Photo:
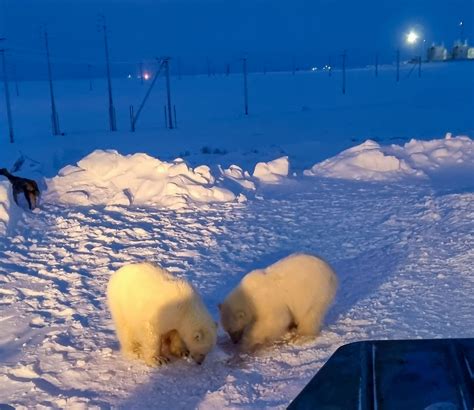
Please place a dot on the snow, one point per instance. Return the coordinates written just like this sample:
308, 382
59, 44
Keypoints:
9, 211
399, 235
273, 171
371, 161
109, 178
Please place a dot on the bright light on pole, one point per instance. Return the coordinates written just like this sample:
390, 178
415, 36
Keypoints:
412, 37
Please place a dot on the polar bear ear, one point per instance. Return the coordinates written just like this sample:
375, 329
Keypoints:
198, 336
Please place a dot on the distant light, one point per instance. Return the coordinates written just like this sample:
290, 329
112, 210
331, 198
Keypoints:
461, 23
129, 76
314, 69
412, 37
146, 76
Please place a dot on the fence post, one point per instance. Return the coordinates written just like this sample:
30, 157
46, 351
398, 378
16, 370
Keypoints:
132, 119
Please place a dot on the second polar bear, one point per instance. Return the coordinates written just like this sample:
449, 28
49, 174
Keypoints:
294, 292
154, 312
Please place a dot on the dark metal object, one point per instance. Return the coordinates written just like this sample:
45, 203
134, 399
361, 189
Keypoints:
394, 375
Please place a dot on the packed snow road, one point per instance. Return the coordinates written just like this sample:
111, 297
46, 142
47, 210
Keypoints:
404, 254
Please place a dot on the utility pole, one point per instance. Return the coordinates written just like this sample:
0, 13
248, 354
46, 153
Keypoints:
166, 62
461, 30
89, 71
246, 95
112, 119
398, 65
133, 116
376, 64
344, 54
7, 95
54, 113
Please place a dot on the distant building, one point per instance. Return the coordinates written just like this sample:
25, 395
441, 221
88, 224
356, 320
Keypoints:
460, 51
437, 53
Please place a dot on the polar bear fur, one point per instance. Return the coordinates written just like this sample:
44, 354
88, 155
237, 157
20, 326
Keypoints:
155, 312
295, 293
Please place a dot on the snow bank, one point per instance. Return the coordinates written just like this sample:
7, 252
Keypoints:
273, 171
109, 178
371, 161
8, 209
238, 175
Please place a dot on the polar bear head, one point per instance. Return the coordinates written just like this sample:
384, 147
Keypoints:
236, 314
200, 341
199, 334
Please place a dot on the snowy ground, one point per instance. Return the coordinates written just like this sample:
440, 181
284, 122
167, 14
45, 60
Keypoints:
403, 248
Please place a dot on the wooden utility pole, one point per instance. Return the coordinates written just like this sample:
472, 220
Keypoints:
133, 116
7, 95
166, 62
112, 119
54, 113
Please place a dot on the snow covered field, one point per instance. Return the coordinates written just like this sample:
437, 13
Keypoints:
395, 221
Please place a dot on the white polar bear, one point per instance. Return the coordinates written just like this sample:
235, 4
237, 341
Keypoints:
295, 292
155, 312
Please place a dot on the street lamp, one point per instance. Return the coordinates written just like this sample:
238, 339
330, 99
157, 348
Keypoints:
412, 38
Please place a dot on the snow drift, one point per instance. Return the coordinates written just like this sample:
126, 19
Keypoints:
423, 159
273, 171
109, 178
8, 209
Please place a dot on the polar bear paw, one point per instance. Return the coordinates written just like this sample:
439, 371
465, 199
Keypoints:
155, 361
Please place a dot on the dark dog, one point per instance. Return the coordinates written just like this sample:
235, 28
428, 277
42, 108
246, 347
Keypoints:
25, 186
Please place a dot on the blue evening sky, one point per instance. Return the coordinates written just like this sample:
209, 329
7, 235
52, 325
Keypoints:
273, 31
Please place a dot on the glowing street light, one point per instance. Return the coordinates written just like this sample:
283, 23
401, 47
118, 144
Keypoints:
412, 37
461, 29
146, 76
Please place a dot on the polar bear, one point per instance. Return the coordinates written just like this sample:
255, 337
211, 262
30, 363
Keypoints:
295, 293
155, 312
